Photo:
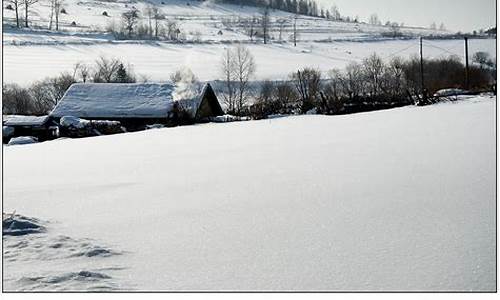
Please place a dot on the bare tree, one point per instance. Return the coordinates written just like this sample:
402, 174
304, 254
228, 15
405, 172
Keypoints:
395, 29
266, 94
84, 72
58, 5
157, 16
249, 25
49, 91
51, 17
374, 20
335, 83
237, 67
286, 96
149, 13
353, 81
172, 30
16, 4
281, 27
393, 78
40, 94
105, 69
16, 100
335, 13
130, 19
265, 103
253, 21
228, 73
307, 82
81, 70
373, 67
27, 5
245, 69
483, 59
331, 101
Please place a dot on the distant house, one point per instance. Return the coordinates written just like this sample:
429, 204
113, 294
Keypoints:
139, 104
41, 127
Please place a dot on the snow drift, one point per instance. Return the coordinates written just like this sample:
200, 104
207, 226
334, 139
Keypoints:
393, 200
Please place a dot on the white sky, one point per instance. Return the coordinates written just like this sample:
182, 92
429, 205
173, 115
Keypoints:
463, 15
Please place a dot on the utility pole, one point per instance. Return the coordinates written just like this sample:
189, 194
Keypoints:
466, 63
424, 96
265, 23
295, 31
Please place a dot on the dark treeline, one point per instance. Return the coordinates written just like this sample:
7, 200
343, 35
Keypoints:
303, 7
370, 85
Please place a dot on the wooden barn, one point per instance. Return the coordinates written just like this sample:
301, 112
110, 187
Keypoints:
139, 104
41, 127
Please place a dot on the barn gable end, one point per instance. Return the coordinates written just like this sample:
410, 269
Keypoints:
209, 105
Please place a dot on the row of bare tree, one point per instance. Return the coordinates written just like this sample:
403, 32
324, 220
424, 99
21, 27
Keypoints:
370, 83
153, 27
261, 26
19, 5
43, 95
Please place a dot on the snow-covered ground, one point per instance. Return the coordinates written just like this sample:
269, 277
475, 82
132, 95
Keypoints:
402, 199
157, 60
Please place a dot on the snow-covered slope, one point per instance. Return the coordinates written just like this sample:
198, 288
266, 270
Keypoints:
202, 18
402, 199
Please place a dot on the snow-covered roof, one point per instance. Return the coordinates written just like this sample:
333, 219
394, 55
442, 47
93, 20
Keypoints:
449, 92
22, 140
7, 131
116, 100
20, 120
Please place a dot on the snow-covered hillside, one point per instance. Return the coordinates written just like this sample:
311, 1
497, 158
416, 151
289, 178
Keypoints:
402, 199
207, 29
205, 18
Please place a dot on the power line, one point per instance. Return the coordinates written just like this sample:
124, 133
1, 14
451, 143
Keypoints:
399, 51
440, 48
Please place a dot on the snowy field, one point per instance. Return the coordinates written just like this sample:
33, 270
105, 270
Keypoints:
402, 199
157, 60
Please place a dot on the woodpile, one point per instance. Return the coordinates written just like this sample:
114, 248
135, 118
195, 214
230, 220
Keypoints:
107, 127
77, 128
